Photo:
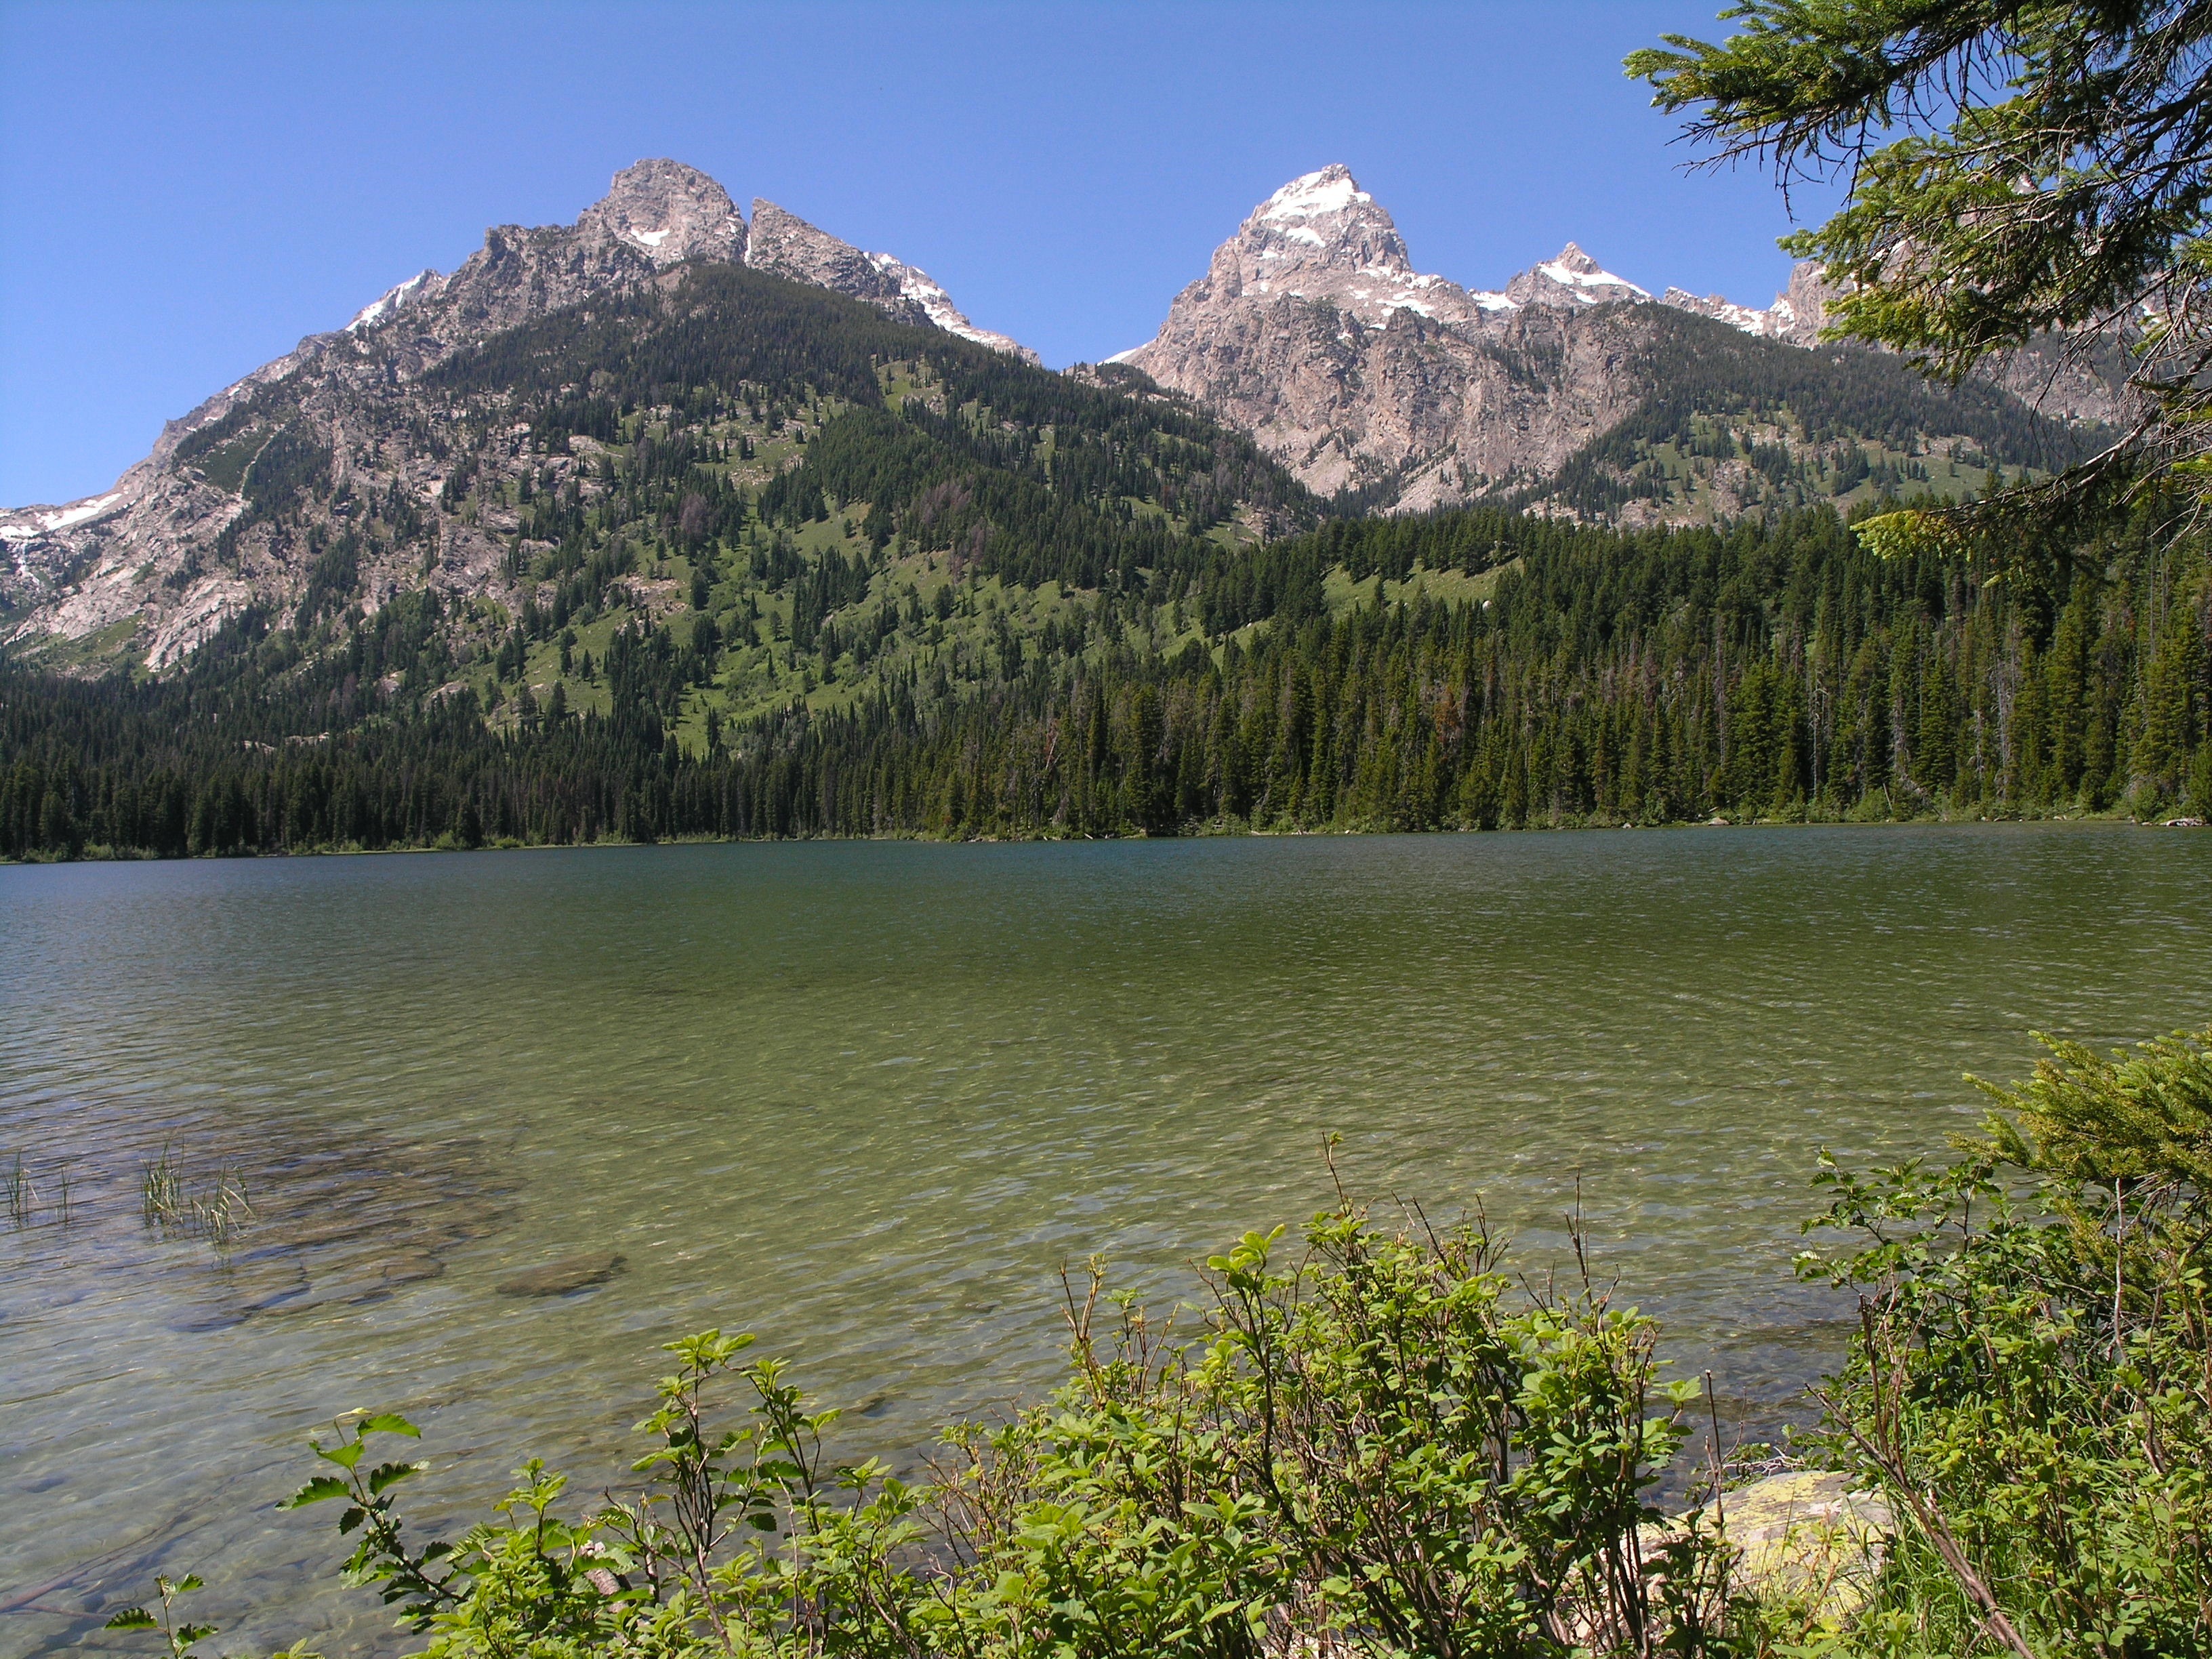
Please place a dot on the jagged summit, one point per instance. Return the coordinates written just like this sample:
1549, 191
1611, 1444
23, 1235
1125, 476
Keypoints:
670, 211
1320, 237
1572, 279
658, 213
785, 244
1325, 219
133, 557
1312, 331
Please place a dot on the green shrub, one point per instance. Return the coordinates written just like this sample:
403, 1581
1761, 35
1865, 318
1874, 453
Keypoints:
2032, 1385
1380, 1445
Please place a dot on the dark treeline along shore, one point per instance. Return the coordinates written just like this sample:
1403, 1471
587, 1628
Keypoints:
1555, 675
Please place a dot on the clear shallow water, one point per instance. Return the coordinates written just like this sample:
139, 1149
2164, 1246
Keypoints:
865, 1099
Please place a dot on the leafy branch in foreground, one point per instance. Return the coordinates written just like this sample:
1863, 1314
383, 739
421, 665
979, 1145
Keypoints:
1378, 1444
2016, 168
180, 1637
412, 1577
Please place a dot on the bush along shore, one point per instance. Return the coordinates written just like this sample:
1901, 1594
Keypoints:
1381, 1441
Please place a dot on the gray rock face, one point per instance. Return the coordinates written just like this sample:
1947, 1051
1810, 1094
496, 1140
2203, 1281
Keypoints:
670, 211
785, 244
132, 563
1312, 331
1795, 317
1319, 238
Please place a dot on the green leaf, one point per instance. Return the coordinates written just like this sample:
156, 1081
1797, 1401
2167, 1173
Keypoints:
388, 1423
322, 1486
131, 1619
390, 1475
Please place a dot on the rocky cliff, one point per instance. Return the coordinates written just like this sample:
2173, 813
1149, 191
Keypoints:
163, 557
787, 245
1313, 331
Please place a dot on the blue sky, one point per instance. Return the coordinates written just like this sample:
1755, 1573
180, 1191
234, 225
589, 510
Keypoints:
186, 189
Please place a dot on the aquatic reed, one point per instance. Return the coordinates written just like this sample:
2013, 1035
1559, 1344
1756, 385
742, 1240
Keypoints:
22, 1197
220, 1218
161, 1191
169, 1206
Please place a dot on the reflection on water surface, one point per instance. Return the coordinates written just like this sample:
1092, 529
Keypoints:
505, 1122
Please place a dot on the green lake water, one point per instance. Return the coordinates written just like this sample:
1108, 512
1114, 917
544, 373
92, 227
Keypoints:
865, 1099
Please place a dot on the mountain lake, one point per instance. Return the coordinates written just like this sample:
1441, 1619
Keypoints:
503, 1122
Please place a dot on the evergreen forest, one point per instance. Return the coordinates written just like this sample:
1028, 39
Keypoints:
1465, 669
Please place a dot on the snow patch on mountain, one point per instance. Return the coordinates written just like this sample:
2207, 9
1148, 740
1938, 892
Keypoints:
1593, 284
1332, 190
936, 304
392, 300
785, 244
1573, 278
83, 513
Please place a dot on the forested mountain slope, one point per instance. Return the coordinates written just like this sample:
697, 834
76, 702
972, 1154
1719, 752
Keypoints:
743, 453
395, 456
613, 534
201, 529
1470, 668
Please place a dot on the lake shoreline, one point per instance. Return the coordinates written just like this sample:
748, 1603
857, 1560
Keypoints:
2117, 819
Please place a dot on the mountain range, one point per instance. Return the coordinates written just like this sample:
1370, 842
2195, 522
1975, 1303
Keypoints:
1312, 331
402, 452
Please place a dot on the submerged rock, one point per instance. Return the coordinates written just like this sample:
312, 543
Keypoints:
410, 1267
573, 1272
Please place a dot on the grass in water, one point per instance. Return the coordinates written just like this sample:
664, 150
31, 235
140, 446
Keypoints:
170, 1207
22, 1197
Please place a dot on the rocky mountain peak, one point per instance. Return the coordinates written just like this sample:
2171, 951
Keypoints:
1572, 279
670, 212
1323, 219
785, 244
1320, 238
